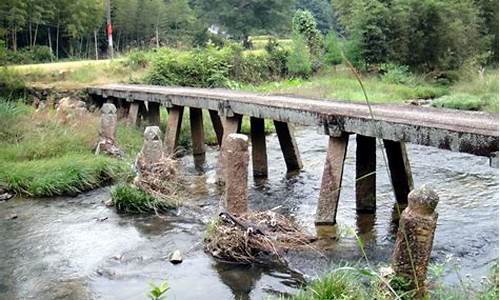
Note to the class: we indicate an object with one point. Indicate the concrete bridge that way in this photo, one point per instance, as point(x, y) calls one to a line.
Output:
point(470, 132)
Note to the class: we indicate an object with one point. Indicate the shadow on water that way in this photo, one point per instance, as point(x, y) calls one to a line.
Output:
point(76, 248)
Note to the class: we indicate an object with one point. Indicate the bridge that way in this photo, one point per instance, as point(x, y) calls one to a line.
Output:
point(394, 125)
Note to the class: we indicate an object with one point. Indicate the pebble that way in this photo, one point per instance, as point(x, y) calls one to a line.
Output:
point(176, 257)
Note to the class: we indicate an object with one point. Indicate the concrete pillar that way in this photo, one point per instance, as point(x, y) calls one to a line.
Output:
point(414, 240)
point(366, 165)
point(231, 125)
point(197, 135)
point(236, 173)
point(108, 121)
point(259, 153)
point(217, 124)
point(133, 113)
point(153, 114)
point(152, 149)
point(173, 129)
point(288, 146)
point(331, 182)
point(400, 170)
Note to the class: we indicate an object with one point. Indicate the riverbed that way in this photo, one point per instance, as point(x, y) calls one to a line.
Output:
point(77, 248)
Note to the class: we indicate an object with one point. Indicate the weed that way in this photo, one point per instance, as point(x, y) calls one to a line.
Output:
point(157, 292)
point(129, 199)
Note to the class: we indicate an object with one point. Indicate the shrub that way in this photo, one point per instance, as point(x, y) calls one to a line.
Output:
point(137, 59)
point(396, 74)
point(333, 52)
point(41, 54)
point(11, 83)
point(305, 25)
point(299, 60)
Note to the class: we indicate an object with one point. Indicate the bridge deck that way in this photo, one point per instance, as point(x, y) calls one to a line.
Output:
point(462, 131)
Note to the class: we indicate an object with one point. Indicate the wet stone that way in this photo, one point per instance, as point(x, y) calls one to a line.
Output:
point(176, 257)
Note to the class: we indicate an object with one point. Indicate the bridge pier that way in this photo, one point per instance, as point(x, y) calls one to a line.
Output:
point(331, 182)
point(259, 153)
point(152, 114)
point(288, 146)
point(230, 125)
point(197, 135)
point(366, 164)
point(173, 129)
point(133, 113)
point(399, 166)
point(217, 125)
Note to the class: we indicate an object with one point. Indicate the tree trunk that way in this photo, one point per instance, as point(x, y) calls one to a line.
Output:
point(95, 44)
point(49, 35)
point(30, 35)
point(36, 33)
point(57, 41)
point(14, 39)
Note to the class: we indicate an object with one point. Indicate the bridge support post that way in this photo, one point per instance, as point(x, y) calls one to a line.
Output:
point(217, 124)
point(288, 146)
point(231, 125)
point(173, 129)
point(366, 164)
point(331, 182)
point(152, 114)
point(236, 173)
point(399, 166)
point(197, 135)
point(259, 153)
point(133, 113)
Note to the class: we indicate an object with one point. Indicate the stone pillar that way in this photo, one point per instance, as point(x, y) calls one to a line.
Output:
point(399, 166)
point(288, 146)
point(231, 125)
point(415, 236)
point(326, 213)
point(217, 124)
point(236, 173)
point(152, 149)
point(366, 165)
point(108, 121)
point(173, 129)
point(259, 153)
point(133, 113)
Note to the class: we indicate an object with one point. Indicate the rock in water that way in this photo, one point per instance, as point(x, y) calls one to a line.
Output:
point(176, 257)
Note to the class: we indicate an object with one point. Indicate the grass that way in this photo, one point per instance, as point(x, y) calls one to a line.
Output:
point(341, 84)
point(129, 199)
point(42, 156)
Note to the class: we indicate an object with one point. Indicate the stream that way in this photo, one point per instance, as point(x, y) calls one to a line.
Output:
point(77, 248)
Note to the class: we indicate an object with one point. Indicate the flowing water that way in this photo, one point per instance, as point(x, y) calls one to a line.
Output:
point(77, 248)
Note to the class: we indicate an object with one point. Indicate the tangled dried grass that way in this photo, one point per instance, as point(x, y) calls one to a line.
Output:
point(255, 237)
point(161, 180)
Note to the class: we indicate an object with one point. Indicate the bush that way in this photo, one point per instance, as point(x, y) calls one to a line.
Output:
point(333, 52)
point(396, 74)
point(11, 83)
point(305, 25)
point(36, 54)
point(299, 60)
point(137, 59)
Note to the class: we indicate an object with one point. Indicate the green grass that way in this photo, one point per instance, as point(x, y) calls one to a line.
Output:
point(473, 93)
point(342, 85)
point(42, 156)
point(129, 199)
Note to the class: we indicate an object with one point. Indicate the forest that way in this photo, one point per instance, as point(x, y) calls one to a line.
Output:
point(423, 35)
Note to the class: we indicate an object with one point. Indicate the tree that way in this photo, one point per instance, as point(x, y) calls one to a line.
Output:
point(322, 12)
point(241, 18)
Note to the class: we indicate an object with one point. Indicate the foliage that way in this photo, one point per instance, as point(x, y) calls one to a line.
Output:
point(157, 292)
point(130, 199)
point(299, 61)
point(304, 25)
point(242, 20)
point(396, 74)
point(11, 83)
point(333, 49)
point(322, 11)
point(424, 35)
point(460, 101)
